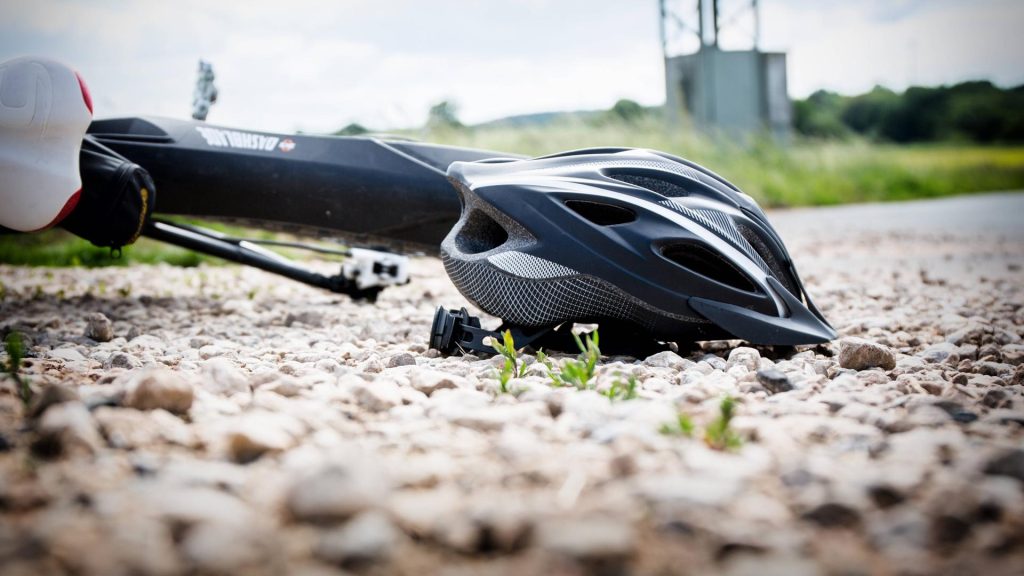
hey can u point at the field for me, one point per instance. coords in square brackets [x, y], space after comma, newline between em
[801, 173]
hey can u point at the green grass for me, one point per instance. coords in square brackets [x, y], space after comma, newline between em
[15, 349]
[512, 367]
[577, 373]
[718, 434]
[805, 172]
[60, 248]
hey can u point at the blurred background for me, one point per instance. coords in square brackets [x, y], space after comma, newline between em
[798, 102]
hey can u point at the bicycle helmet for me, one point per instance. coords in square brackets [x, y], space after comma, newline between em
[638, 238]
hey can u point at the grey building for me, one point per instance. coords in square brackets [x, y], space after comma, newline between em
[737, 91]
[734, 91]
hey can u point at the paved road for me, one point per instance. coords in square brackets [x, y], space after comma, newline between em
[980, 214]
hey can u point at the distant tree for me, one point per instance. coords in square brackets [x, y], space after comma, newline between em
[865, 113]
[353, 129]
[819, 115]
[444, 114]
[978, 111]
[627, 110]
[920, 115]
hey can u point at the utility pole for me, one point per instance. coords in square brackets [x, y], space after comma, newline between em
[714, 22]
[661, 29]
[757, 24]
[700, 22]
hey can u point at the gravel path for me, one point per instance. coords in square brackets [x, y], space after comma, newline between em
[224, 421]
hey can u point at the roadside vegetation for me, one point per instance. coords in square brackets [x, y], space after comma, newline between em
[815, 167]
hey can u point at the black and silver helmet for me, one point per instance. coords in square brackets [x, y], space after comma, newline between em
[632, 237]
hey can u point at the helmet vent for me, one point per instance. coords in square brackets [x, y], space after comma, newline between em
[761, 247]
[663, 187]
[600, 213]
[479, 234]
[700, 260]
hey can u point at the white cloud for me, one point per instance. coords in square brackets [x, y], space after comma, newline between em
[316, 66]
[852, 47]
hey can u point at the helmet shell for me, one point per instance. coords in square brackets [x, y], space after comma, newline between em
[625, 236]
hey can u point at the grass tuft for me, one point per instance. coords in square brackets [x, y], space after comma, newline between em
[620, 390]
[577, 373]
[718, 434]
[15, 354]
[513, 366]
[683, 426]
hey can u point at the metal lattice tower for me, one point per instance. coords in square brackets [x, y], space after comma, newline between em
[688, 25]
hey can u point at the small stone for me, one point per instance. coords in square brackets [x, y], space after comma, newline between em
[212, 351]
[749, 358]
[314, 318]
[229, 548]
[972, 334]
[284, 385]
[222, 376]
[366, 539]
[995, 397]
[133, 333]
[667, 359]
[833, 515]
[122, 360]
[430, 381]
[258, 433]
[712, 361]
[604, 540]
[938, 352]
[992, 368]
[160, 388]
[1008, 463]
[860, 354]
[965, 351]
[885, 496]
[947, 530]
[129, 429]
[66, 354]
[1013, 354]
[50, 395]
[67, 428]
[402, 359]
[335, 493]
[775, 381]
[377, 396]
[99, 328]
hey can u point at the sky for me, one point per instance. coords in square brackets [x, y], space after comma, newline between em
[318, 65]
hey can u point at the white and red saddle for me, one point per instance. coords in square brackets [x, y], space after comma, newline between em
[45, 109]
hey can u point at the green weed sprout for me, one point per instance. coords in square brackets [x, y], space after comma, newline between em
[578, 373]
[620, 390]
[513, 367]
[683, 426]
[718, 435]
[15, 353]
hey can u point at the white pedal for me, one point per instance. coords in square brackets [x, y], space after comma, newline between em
[372, 268]
[45, 109]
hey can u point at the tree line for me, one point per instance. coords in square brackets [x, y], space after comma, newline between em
[971, 111]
